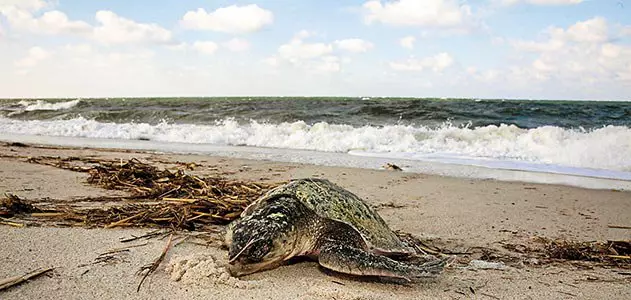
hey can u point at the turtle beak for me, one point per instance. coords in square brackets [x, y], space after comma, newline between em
[238, 268]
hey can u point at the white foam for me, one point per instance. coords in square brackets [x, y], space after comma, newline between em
[547, 148]
[326, 159]
[43, 105]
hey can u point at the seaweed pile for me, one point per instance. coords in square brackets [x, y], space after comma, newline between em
[612, 252]
[157, 197]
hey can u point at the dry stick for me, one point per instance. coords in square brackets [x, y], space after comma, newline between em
[115, 250]
[619, 227]
[147, 236]
[153, 266]
[12, 224]
[9, 282]
[123, 221]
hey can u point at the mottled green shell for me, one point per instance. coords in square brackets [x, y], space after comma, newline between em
[331, 201]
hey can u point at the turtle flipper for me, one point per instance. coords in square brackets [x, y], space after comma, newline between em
[354, 261]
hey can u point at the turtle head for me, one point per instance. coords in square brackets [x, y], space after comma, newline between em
[258, 244]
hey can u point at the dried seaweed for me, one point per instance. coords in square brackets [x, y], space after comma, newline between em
[12, 205]
[159, 197]
[609, 251]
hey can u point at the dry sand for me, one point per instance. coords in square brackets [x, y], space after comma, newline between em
[456, 213]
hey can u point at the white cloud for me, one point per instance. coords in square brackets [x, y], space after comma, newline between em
[328, 64]
[594, 30]
[541, 2]
[205, 47]
[429, 13]
[78, 49]
[354, 45]
[51, 22]
[591, 31]
[112, 29]
[533, 46]
[34, 56]
[582, 56]
[436, 63]
[231, 19]
[297, 49]
[115, 29]
[30, 5]
[407, 42]
[236, 45]
[315, 57]
[177, 47]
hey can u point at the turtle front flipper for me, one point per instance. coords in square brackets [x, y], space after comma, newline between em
[350, 260]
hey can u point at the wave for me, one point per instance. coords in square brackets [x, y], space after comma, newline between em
[608, 147]
[43, 105]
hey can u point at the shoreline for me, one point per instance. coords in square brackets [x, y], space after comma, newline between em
[455, 213]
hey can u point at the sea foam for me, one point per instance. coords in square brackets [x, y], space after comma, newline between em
[43, 105]
[608, 147]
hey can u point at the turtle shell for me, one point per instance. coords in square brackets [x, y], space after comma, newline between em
[331, 201]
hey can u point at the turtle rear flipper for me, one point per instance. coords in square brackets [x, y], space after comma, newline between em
[350, 260]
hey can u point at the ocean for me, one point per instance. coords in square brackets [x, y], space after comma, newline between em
[570, 142]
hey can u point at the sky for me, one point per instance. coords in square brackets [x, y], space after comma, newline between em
[527, 49]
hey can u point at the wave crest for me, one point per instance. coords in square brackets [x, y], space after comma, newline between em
[607, 147]
[43, 105]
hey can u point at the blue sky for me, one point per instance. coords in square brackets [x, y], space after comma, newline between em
[536, 49]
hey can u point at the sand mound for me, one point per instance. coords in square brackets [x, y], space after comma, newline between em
[202, 269]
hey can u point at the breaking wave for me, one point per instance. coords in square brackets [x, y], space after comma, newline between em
[44, 105]
[607, 147]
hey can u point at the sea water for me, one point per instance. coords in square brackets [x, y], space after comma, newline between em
[568, 142]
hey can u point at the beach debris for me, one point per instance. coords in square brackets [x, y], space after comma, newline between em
[486, 265]
[13, 281]
[547, 250]
[9, 223]
[588, 251]
[388, 205]
[619, 227]
[158, 197]
[392, 167]
[17, 144]
[146, 270]
[12, 205]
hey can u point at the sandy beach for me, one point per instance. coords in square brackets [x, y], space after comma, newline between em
[453, 213]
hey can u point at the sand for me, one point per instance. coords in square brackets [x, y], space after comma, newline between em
[456, 213]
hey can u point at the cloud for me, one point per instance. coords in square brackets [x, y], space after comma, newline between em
[540, 2]
[591, 31]
[428, 13]
[114, 29]
[436, 63]
[232, 19]
[407, 42]
[582, 56]
[318, 57]
[205, 47]
[51, 22]
[30, 5]
[111, 28]
[354, 45]
[328, 64]
[594, 30]
[297, 49]
[236, 45]
[34, 56]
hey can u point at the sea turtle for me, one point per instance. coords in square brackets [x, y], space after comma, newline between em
[319, 219]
